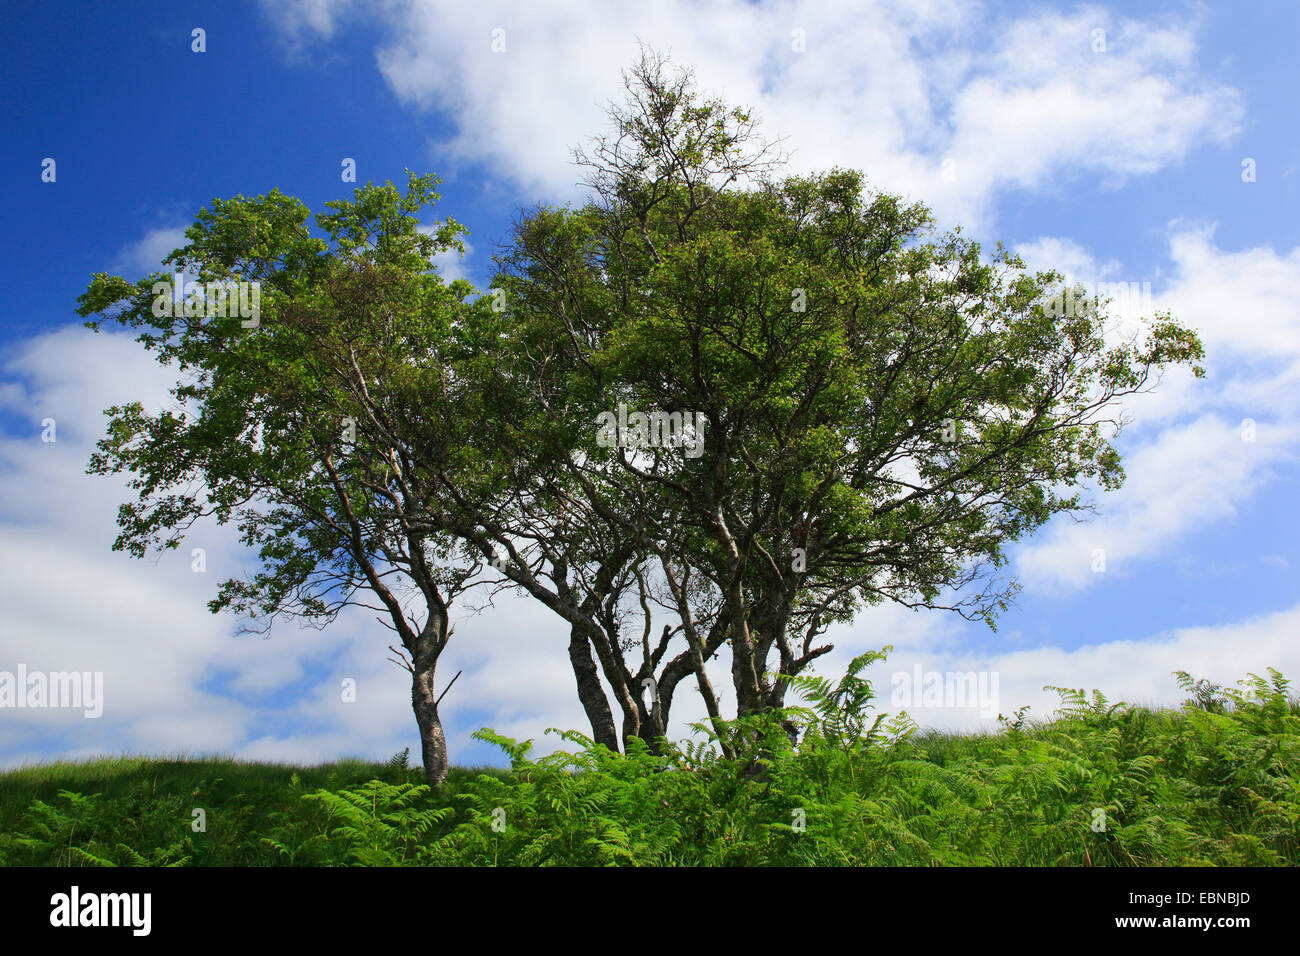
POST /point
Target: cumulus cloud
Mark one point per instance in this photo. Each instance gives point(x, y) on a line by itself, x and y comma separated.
point(943, 101)
point(1186, 477)
point(146, 254)
point(1246, 307)
point(305, 20)
point(176, 678)
point(1138, 670)
point(1198, 449)
point(450, 263)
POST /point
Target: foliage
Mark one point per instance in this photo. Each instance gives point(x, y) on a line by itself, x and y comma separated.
point(885, 406)
point(821, 403)
point(1100, 784)
point(294, 424)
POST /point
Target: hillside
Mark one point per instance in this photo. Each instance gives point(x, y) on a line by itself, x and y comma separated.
point(1216, 782)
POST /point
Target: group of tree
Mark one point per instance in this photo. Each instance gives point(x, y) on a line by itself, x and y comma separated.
point(821, 403)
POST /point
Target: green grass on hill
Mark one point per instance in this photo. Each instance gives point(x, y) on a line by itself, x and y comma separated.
point(1216, 782)
point(125, 810)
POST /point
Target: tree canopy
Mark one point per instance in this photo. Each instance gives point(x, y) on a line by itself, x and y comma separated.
point(716, 409)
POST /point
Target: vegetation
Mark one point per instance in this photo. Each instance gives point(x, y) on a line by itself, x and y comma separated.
point(714, 410)
point(1216, 782)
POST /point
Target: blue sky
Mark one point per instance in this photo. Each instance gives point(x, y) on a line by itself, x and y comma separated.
point(1118, 164)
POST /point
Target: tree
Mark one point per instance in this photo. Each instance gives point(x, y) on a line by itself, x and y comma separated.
point(883, 410)
point(300, 425)
point(712, 410)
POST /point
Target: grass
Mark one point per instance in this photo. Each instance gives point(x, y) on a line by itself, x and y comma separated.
point(143, 803)
point(1215, 782)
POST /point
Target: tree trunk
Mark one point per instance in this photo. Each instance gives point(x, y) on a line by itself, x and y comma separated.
point(590, 692)
point(652, 726)
point(744, 668)
point(424, 701)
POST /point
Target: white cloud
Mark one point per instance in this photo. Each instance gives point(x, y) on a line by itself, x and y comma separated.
point(1137, 670)
point(1246, 307)
point(892, 88)
point(1244, 304)
point(1190, 458)
point(950, 102)
point(450, 263)
point(302, 20)
point(1067, 257)
point(176, 680)
point(146, 255)
point(1188, 476)
point(175, 677)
